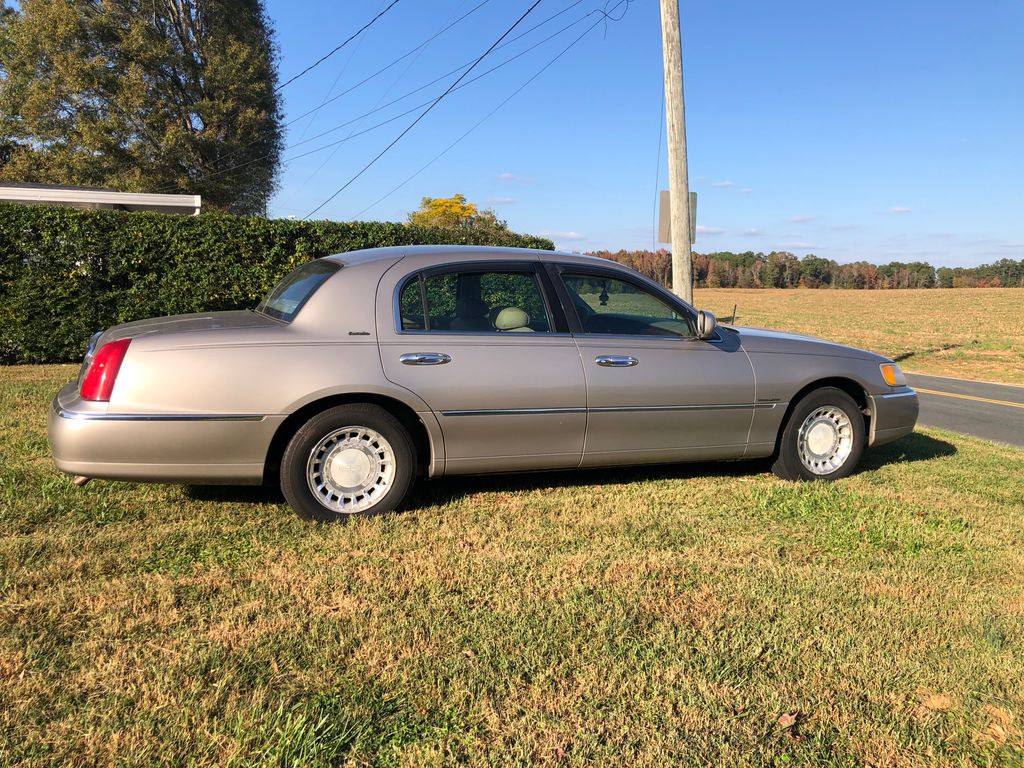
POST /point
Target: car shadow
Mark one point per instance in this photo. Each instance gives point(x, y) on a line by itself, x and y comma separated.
point(913, 447)
point(244, 494)
point(447, 489)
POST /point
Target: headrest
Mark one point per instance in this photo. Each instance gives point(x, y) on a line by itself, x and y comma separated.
point(511, 317)
point(470, 307)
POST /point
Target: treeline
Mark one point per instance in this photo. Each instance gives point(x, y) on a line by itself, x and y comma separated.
point(780, 269)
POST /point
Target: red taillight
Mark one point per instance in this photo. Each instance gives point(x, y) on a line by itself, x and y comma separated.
point(99, 379)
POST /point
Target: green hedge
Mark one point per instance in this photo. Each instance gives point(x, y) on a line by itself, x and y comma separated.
point(65, 273)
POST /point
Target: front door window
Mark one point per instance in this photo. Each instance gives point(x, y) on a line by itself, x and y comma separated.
point(607, 305)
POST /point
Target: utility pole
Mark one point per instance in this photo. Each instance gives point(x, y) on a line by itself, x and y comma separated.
point(679, 202)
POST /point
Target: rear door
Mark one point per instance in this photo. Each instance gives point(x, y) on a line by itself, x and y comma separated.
point(480, 343)
point(655, 392)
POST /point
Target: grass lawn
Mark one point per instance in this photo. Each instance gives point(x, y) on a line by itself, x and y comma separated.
point(698, 614)
point(973, 333)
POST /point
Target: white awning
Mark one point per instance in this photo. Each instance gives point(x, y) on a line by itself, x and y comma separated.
point(82, 197)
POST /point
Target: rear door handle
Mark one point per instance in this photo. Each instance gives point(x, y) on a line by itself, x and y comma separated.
point(425, 358)
point(616, 361)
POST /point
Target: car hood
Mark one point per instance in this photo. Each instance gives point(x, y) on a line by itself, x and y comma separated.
point(198, 321)
point(765, 340)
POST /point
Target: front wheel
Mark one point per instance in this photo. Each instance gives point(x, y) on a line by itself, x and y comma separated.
point(823, 439)
point(349, 460)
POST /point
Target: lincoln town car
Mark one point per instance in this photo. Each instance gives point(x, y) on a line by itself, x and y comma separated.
point(362, 371)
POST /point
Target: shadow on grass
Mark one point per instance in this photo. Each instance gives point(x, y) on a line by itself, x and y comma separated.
point(914, 447)
point(447, 489)
point(907, 355)
point(245, 494)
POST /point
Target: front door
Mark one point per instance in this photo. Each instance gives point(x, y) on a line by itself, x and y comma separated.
point(654, 391)
point(480, 345)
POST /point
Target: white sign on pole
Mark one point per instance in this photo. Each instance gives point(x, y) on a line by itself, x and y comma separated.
point(665, 221)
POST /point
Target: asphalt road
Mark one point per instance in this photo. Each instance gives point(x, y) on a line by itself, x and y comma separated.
point(991, 411)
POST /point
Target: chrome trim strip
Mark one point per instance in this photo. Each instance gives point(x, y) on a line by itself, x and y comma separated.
point(708, 407)
point(495, 334)
point(607, 409)
point(897, 394)
point(511, 411)
point(82, 416)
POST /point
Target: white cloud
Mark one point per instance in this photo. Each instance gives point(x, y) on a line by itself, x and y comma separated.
point(702, 230)
point(899, 209)
point(725, 183)
point(573, 236)
point(746, 190)
point(751, 232)
point(801, 219)
point(512, 177)
point(500, 200)
point(798, 246)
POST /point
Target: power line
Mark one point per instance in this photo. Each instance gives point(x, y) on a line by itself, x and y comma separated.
point(328, 55)
point(404, 96)
point(388, 66)
point(657, 173)
point(217, 173)
point(450, 72)
point(334, 83)
point(380, 98)
point(425, 112)
point(490, 114)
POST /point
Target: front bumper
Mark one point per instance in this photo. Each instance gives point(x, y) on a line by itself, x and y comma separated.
point(893, 415)
point(86, 439)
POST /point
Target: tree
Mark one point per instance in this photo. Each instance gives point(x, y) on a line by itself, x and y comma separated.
point(142, 95)
point(455, 213)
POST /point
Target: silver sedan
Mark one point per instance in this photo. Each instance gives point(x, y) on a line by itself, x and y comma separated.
point(361, 371)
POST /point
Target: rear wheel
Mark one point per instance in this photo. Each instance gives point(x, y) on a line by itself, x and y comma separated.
point(349, 460)
point(823, 439)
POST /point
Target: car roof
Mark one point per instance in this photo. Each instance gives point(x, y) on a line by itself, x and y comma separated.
point(447, 253)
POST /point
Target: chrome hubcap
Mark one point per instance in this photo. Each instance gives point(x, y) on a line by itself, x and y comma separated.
point(825, 440)
point(351, 469)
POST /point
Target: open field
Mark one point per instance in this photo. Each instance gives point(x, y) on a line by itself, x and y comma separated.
point(702, 614)
point(974, 333)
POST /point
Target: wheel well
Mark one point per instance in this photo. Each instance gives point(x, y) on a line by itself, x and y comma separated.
point(406, 415)
point(850, 387)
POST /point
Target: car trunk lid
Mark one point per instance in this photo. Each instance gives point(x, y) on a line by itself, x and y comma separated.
point(198, 321)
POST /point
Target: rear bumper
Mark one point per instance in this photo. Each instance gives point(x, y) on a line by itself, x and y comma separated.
point(188, 448)
point(893, 415)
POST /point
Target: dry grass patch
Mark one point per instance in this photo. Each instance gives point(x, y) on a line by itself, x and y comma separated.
point(689, 614)
point(974, 333)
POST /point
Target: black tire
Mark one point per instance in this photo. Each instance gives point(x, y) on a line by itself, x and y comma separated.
point(788, 464)
point(295, 486)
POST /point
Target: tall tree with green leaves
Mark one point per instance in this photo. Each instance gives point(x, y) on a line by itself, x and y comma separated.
point(142, 96)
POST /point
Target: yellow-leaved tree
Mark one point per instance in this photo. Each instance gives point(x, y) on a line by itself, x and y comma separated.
point(455, 213)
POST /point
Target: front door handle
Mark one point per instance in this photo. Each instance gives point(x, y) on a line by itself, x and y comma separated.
point(616, 361)
point(425, 358)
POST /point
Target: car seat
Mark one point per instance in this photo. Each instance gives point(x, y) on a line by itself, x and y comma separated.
point(513, 320)
point(470, 315)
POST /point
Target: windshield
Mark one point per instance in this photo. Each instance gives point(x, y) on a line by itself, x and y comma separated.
point(287, 297)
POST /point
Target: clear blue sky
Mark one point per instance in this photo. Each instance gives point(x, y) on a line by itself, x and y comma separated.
point(870, 130)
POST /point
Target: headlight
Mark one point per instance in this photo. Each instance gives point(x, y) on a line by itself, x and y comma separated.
point(893, 375)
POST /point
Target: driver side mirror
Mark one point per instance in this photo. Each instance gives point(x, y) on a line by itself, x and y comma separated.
point(706, 325)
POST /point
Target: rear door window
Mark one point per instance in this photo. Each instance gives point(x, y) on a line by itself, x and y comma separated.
point(475, 301)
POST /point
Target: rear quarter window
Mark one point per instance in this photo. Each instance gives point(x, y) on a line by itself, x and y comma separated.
point(287, 297)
